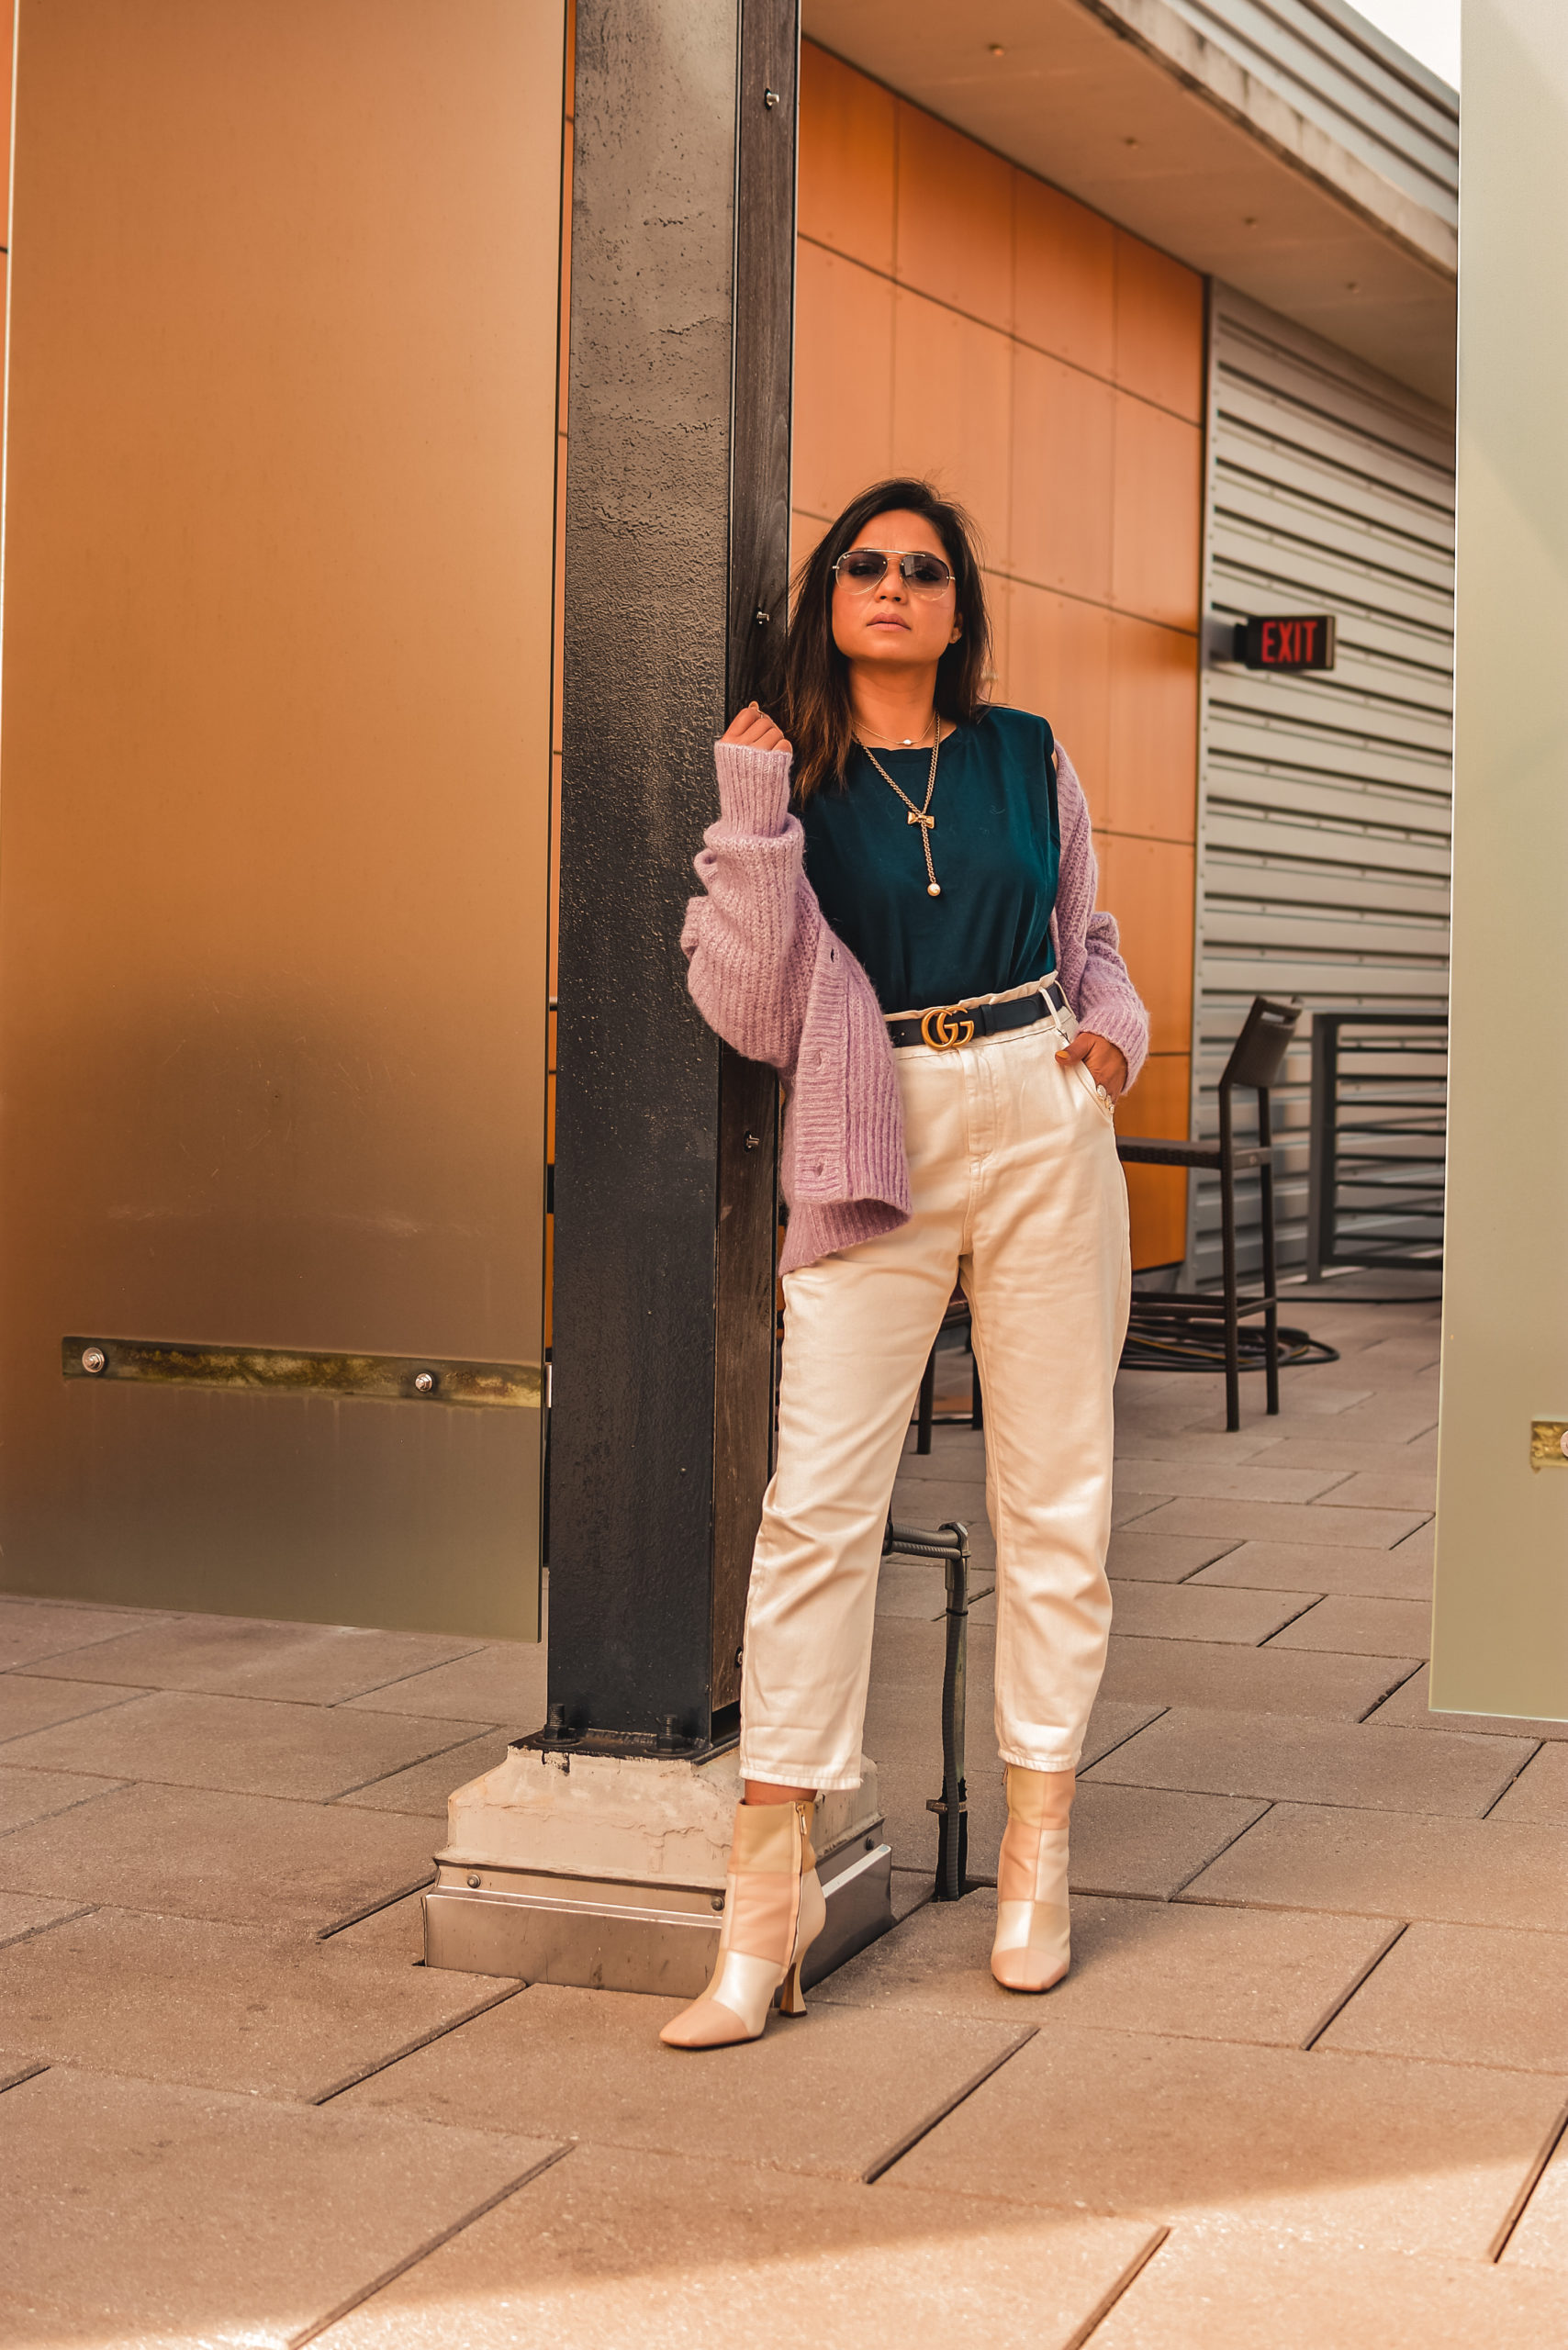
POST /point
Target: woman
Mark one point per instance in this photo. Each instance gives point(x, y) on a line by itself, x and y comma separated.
point(913, 943)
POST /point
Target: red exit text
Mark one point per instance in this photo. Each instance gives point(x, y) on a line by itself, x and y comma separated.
point(1299, 642)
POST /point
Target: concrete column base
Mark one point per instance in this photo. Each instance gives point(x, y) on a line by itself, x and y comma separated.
point(608, 1872)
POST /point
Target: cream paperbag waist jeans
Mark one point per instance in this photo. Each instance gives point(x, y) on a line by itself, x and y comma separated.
point(1018, 1193)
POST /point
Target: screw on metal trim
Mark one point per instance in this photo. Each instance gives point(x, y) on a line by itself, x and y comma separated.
point(94, 1359)
point(715, 1901)
point(473, 1885)
point(424, 1382)
point(770, 98)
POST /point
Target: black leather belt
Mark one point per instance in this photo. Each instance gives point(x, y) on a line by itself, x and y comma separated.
point(952, 1025)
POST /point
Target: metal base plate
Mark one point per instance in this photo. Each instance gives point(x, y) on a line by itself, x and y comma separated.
point(631, 1937)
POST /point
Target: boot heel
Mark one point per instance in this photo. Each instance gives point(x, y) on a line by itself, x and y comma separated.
point(791, 1998)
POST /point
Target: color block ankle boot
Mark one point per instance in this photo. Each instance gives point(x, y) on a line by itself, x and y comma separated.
point(1031, 1949)
point(774, 1911)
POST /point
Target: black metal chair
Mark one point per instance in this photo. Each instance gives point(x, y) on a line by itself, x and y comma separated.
point(1256, 1060)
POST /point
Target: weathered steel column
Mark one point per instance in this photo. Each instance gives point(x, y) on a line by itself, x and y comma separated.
point(596, 1853)
point(676, 539)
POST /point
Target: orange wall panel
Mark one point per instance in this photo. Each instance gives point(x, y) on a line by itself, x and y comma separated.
point(1157, 522)
point(1062, 473)
point(1160, 327)
point(1060, 664)
point(1159, 1103)
point(959, 319)
point(844, 379)
point(1148, 885)
point(955, 220)
point(846, 175)
point(953, 410)
point(1151, 772)
point(1064, 276)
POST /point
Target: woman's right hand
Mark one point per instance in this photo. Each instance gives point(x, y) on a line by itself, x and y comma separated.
point(753, 728)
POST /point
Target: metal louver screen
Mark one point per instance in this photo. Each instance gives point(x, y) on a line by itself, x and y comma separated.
point(1326, 800)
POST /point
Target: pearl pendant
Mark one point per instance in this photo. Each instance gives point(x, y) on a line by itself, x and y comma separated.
point(933, 889)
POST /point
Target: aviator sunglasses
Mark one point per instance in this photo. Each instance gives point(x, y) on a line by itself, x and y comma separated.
point(862, 567)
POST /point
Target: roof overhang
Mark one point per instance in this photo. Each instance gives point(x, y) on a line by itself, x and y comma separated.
point(1126, 106)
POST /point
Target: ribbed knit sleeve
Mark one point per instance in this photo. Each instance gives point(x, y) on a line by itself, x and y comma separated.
point(750, 938)
point(1088, 952)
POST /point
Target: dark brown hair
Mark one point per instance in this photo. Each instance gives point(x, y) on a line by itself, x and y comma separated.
point(816, 714)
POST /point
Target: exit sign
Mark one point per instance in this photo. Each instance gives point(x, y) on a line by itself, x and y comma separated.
point(1298, 643)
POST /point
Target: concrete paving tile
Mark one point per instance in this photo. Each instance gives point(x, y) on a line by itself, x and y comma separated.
point(194, 1853)
point(1293, 1758)
point(1409, 1709)
point(1160, 1558)
point(221, 2006)
point(249, 1745)
point(31, 1628)
point(828, 2091)
point(1333, 1446)
point(1213, 2289)
point(1391, 1864)
point(1138, 1441)
point(1392, 1419)
point(1312, 1393)
point(33, 1794)
point(237, 1656)
point(1415, 1488)
point(28, 1705)
point(27, 1913)
point(1361, 1628)
point(1138, 1841)
point(1377, 1529)
point(1128, 1509)
point(1540, 1795)
point(396, 1935)
point(425, 1787)
point(674, 2253)
point(1188, 1612)
point(1312, 1566)
point(1248, 1974)
point(1401, 1357)
point(1258, 1681)
point(1251, 1481)
point(1540, 2240)
point(1407, 2157)
point(137, 2213)
point(500, 1686)
point(1470, 1994)
point(1425, 1448)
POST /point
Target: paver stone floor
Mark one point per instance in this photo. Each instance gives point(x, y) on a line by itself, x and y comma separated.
point(1303, 2088)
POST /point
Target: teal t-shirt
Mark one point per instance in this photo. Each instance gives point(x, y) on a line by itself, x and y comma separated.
point(996, 846)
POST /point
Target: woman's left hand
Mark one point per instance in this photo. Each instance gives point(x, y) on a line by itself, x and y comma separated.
point(1107, 1063)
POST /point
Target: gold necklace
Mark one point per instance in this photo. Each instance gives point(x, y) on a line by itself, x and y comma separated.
point(921, 816)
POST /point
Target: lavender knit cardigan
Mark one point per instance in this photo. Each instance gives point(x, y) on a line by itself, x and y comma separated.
point(778, 984)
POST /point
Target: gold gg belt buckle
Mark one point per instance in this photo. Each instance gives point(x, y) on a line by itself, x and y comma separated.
point(946, 1028)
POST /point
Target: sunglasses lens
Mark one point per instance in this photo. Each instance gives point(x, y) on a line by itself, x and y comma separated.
point(862, 569)
point(926, 573)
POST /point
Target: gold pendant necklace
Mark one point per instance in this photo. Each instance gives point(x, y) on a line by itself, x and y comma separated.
point(921, 816)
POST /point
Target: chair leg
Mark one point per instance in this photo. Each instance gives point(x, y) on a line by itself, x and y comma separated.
point(1270, 1311)
point(927, 1403)
point(1232, 1341)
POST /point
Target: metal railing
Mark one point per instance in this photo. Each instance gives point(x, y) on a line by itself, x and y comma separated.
point(1379, 1118)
